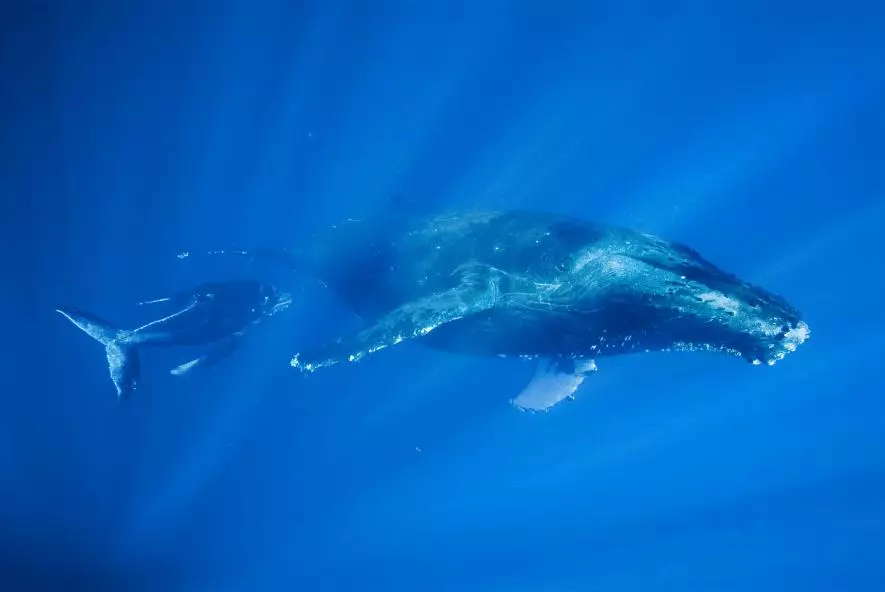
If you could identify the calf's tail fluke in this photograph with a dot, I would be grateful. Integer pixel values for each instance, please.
(122, 355)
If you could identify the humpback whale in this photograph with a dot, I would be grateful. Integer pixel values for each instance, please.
(547, 287)
(215, 312)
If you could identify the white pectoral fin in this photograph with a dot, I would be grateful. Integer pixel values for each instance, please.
(155, 301)
(554, 381)
(183, 369)
(223, 349)
(412, 320)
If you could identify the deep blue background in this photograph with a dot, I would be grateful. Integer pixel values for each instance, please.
(753, 131)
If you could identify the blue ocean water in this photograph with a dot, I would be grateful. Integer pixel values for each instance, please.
(754, 132)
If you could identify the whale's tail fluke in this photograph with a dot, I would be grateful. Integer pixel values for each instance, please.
(122, 353)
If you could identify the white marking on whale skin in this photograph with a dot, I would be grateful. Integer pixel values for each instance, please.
(546, 289)
(768, 328)
(295, 362)
(586, 258)
(720, 301)
(792, 339)
(585, 367)
(608, 262)
(686, 346)
(796, 336)
(615, 265)
(184, 368)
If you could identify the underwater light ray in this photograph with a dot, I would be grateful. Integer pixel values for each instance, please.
(205, 457)
(706, 415)
(232, 109)
(575, 131)
(861, 221)
(403, 398)
(421, 117)
(286, 149)
(202, 460)
(200, 468)
(225, 422)
(219, 129)
(746, 145)
(563, 118)
(457, 501)
(377, 134)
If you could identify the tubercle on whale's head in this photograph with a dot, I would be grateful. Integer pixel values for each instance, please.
(775, 328)
(761, 327)
(786, 341)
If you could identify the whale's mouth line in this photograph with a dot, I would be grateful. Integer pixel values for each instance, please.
(762, 350)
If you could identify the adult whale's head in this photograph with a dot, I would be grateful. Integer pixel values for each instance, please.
(701, 307)
(759, 326)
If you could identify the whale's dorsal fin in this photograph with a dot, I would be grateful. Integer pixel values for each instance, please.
(411, 320)
(554, 381)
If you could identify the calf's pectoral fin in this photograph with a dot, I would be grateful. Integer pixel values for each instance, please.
(412, 320)
(222, 349)
(168, 323)
(176, 299)
(554, 381)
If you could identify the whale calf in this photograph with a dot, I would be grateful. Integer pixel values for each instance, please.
(547, 287)
(217, 313)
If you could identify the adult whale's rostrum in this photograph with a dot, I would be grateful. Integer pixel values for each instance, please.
(218, 313)
(537, 285)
